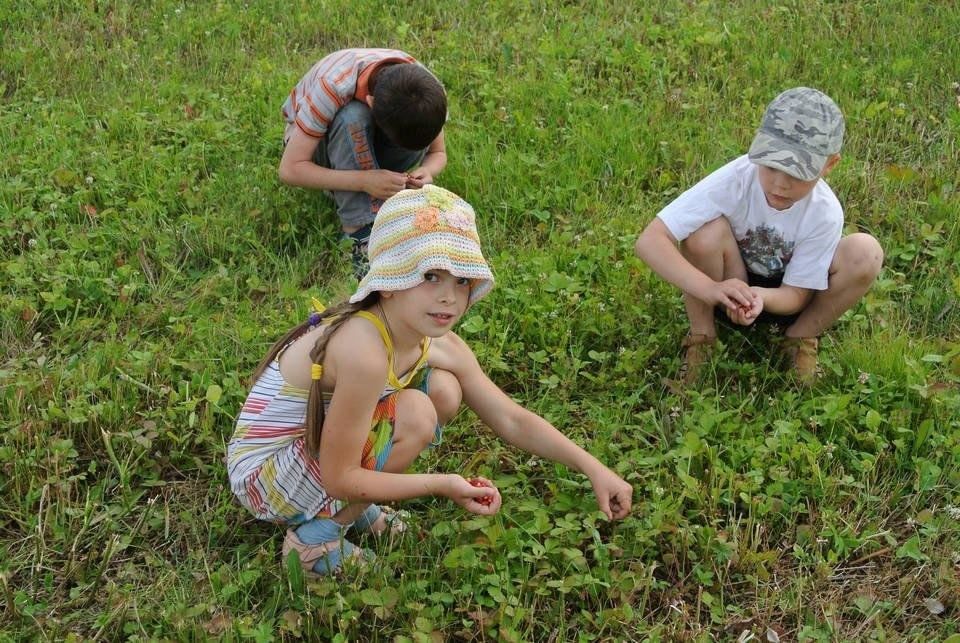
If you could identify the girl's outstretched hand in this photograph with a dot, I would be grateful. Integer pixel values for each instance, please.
(477, 495)
(614, 494)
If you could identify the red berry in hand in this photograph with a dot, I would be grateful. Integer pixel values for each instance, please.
(483, 500)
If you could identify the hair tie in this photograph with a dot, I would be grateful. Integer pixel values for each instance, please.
(316, 371)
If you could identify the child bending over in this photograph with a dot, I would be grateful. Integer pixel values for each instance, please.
(364, 124)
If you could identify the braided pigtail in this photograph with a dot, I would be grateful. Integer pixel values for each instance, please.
(315, 408)
(279, 345)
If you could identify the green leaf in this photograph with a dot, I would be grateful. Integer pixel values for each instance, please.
(473, 324)
(463, 556)
(911, 549)
(371, 597)
(929, 475)
(214, 393)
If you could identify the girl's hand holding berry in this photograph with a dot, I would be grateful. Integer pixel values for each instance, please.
(476, 495)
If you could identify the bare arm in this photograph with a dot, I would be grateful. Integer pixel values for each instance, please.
(433, 163)
(785, 300)
(298, 169)
(657, 247)
(525, 429)
(358, 361)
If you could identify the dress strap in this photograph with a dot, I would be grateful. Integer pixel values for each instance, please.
(388, 344)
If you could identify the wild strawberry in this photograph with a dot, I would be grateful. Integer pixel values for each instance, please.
(483, 500)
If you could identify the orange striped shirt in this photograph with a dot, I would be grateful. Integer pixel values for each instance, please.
(332, 83)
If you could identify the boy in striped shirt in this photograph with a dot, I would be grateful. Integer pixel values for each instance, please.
(364, 124)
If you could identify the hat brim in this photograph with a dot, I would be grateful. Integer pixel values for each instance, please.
(785, 155)
(378, 279)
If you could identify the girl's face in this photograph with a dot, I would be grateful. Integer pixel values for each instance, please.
(434, 306)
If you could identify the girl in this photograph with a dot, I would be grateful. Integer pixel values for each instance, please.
(344, 403)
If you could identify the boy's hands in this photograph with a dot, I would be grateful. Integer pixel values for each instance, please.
(419, 177)
(746, 315)
(732, 293)
(614, 494)
(478, 495)
(383, 184)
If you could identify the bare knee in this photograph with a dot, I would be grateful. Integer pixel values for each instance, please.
(446, 394)
(416, 418)
(708, 239)
(861, 256)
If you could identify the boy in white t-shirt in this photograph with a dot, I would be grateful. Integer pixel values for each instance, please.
(761, 237)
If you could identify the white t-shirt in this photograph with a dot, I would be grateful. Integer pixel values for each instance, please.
(798, 242)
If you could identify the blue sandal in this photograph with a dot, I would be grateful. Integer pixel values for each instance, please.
(392, 524)
(321, 547)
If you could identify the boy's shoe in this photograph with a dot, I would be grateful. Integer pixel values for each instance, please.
(698, 348)
(358, 250)
(801, 353)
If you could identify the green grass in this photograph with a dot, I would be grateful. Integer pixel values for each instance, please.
(150, 256)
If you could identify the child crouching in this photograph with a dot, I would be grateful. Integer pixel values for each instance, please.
(344, 403)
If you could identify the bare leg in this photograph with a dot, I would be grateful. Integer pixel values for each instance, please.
(854, 268)
(713, 250)
(446, 394)
(413, 430)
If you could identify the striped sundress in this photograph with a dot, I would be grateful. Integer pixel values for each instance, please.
(269, 469)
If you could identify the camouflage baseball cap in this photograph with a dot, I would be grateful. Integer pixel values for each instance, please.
(801, 129)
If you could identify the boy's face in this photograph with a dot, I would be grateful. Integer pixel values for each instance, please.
(782, 190)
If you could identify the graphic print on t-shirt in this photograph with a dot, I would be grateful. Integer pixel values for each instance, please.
(765, 252)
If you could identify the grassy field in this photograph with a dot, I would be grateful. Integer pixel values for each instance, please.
(149, 257)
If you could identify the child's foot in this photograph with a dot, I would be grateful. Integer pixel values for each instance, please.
(698, 348)
(321, 547)
(801, 354)
(378, 521)
(358, 250)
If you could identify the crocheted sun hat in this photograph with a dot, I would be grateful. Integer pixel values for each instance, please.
(420, 230)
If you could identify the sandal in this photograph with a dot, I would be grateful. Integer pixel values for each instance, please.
(326, 556)
(697, 350)
(378, 521)
(801, 353)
